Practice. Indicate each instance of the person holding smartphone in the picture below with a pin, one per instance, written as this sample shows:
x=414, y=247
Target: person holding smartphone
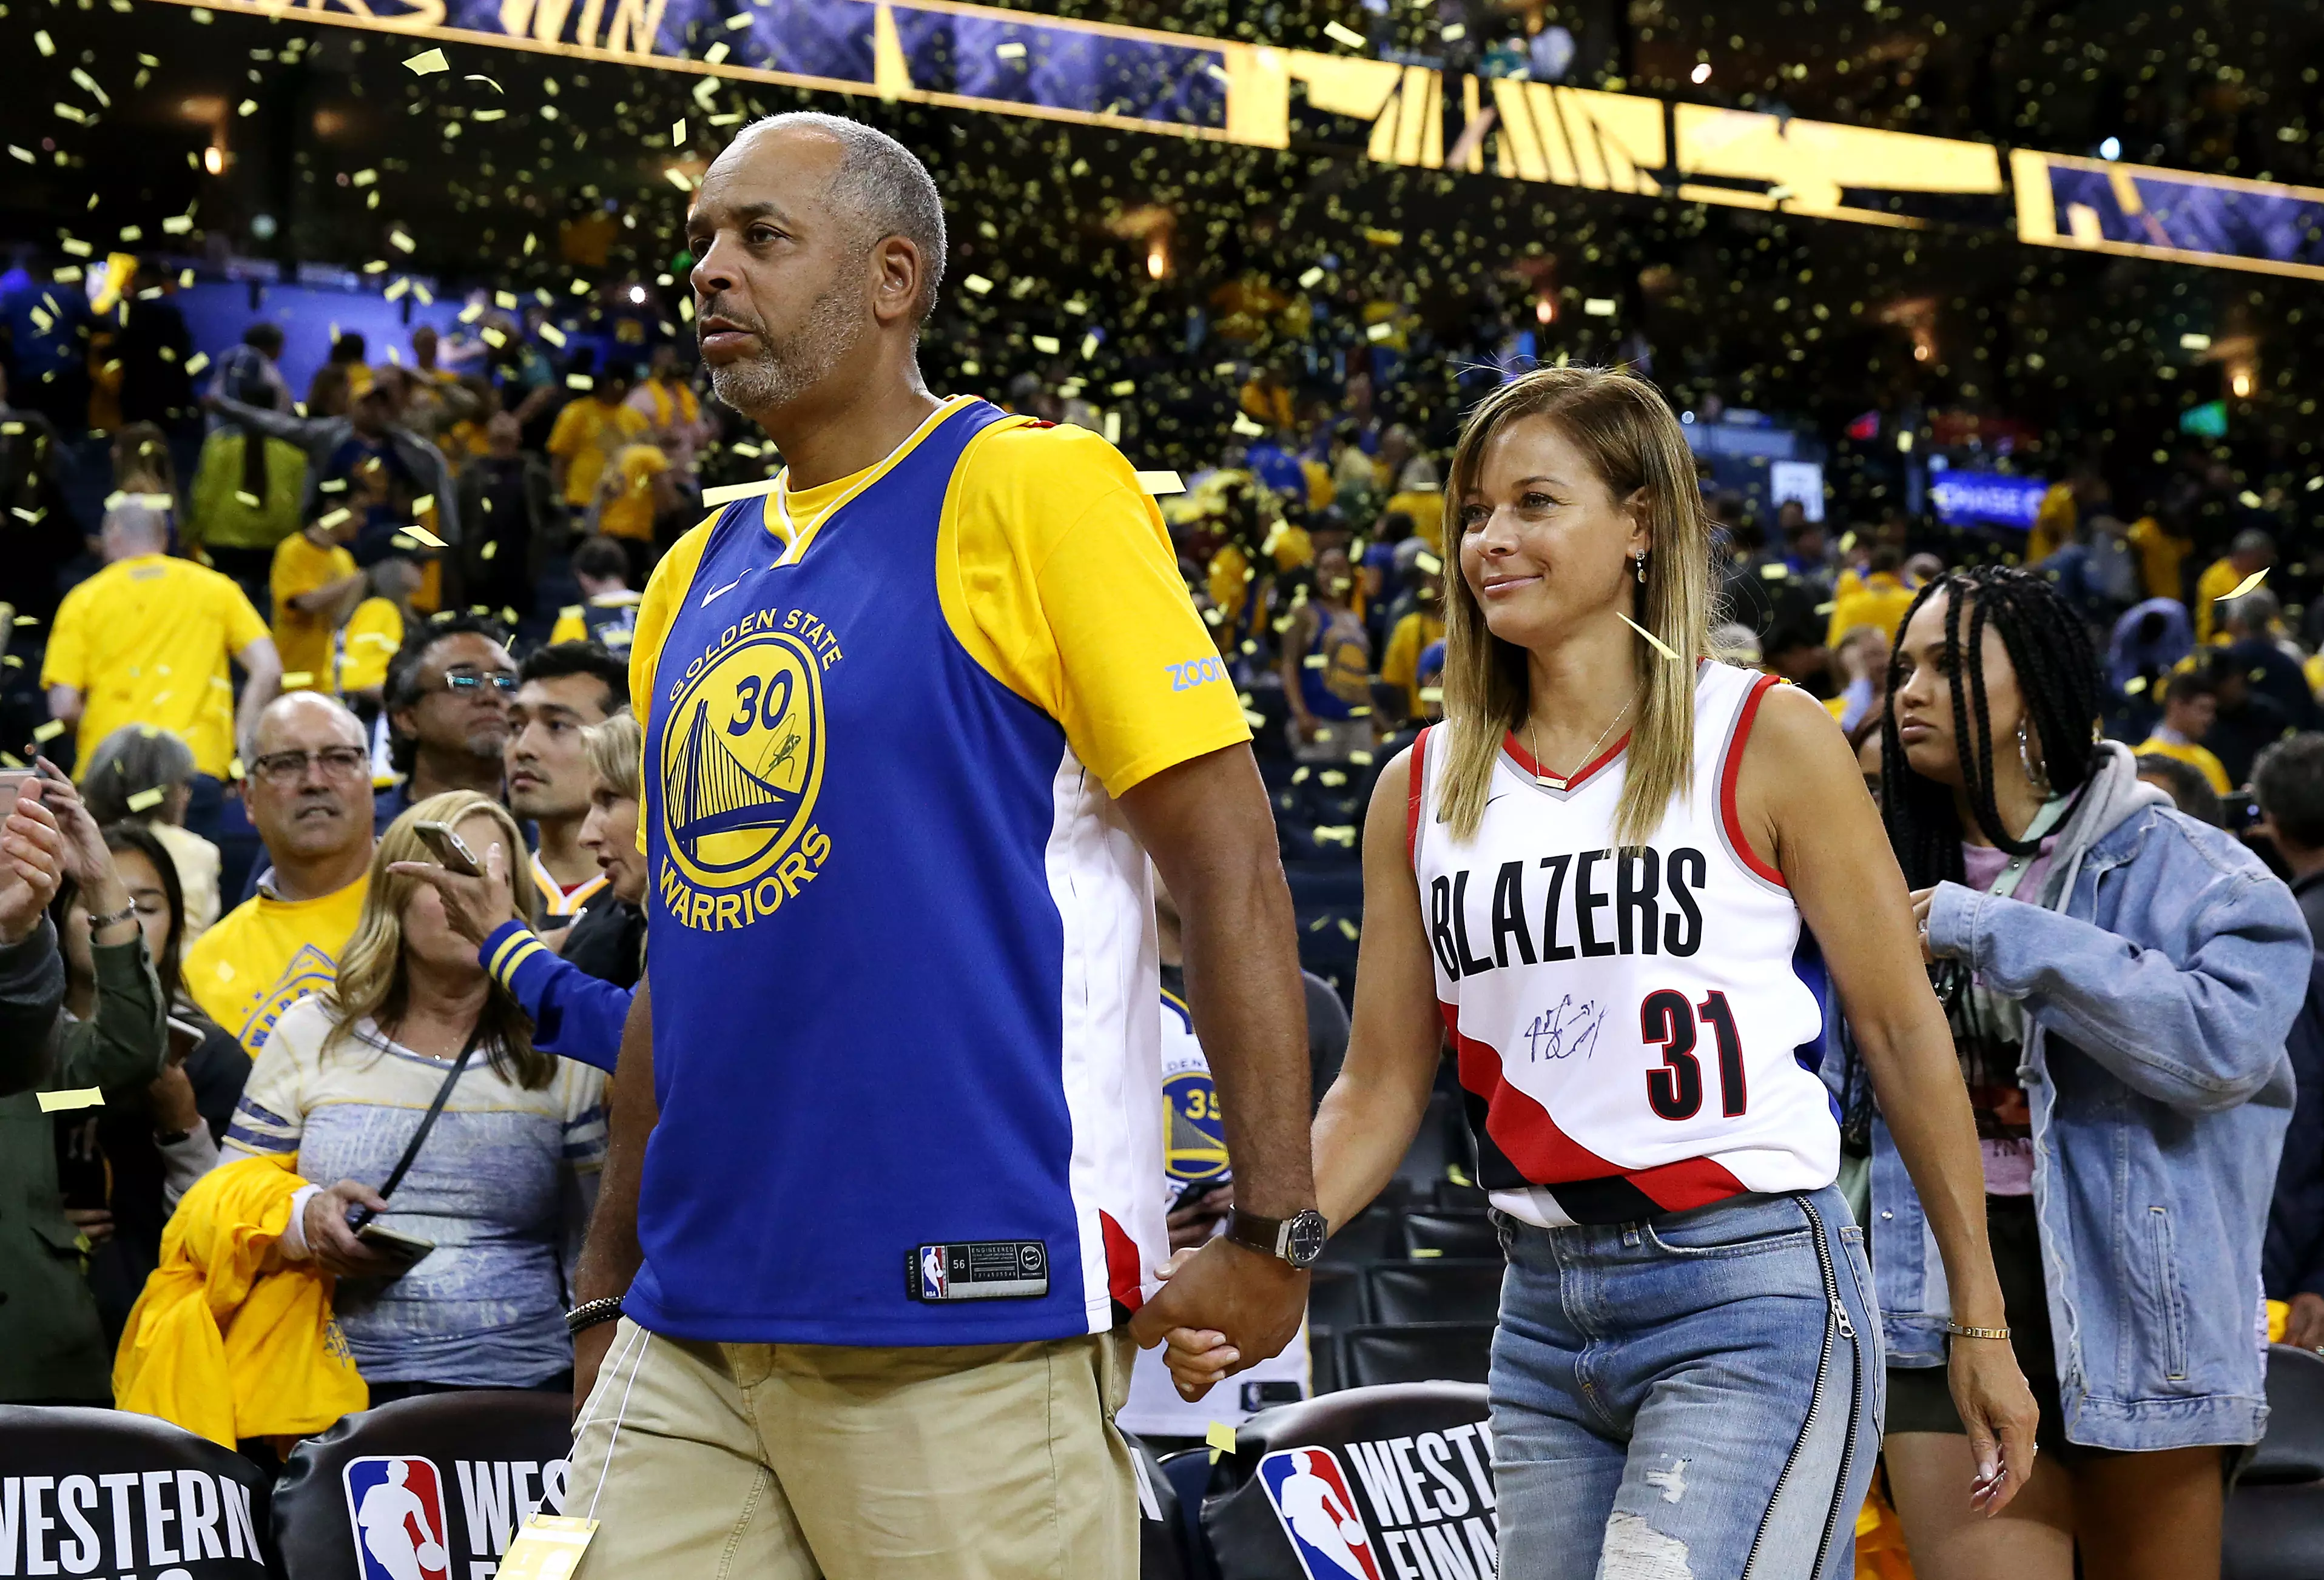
x=52, y=1343
x=453, y=1255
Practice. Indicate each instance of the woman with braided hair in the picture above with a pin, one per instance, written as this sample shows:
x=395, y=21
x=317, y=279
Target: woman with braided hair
x=2119, y=980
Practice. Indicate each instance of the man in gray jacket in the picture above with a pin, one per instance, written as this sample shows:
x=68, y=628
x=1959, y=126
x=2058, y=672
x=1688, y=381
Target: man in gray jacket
x=367, y=461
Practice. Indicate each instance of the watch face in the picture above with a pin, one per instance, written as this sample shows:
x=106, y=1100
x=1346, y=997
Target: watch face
x=1304, y=1242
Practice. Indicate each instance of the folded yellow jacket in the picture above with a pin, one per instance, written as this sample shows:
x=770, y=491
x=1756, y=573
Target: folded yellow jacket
x=226, y=1340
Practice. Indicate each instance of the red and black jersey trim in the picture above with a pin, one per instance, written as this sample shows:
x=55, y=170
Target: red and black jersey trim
x=1521, y=1147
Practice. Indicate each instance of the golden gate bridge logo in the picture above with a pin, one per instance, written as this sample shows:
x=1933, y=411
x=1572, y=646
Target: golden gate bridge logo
x=742, y=759
x=711, y=791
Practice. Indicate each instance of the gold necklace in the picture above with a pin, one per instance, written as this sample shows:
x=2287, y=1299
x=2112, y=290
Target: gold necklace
x=1557, y=781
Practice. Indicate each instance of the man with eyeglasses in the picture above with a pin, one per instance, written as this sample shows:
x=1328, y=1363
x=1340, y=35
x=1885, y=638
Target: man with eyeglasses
x=447, y=698
x=309, y=791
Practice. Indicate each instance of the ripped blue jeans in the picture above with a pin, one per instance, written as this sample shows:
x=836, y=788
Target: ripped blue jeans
x=1692, y=1399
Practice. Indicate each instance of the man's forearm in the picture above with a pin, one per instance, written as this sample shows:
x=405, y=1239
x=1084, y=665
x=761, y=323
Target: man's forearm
x=1250, y=1015
x=611, y=1256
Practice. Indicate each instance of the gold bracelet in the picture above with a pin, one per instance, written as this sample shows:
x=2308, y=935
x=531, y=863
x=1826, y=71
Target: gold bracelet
x=1958, y=1331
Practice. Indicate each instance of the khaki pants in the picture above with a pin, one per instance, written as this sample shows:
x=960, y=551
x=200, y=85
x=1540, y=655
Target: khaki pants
x=807, y=1462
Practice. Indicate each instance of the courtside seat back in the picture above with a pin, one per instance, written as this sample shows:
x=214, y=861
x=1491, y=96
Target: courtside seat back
x=1392, y=1471
x=175, y=1501
x=455, y=1473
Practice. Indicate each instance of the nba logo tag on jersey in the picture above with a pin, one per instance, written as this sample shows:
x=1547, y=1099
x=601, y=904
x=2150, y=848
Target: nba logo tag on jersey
x=1310, y=1495
x=396, y=1505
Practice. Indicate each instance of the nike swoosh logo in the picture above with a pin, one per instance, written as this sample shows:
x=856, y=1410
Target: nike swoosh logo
x=717, y=591
x=1490, y=799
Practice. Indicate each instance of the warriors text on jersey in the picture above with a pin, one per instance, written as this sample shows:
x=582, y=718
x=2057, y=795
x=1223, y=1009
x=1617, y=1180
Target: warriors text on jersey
x=902, y=942
x=1635, y=1027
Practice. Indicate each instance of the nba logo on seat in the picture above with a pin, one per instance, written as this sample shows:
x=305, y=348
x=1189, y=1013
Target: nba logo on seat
x=1310, y=1495
x=396, y=1505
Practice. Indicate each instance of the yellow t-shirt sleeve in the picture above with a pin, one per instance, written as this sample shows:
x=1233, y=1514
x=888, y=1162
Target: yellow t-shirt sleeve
x=565, y=433
x=243, y=625
x=66, y=662
x=1057, y=576
x=567, y=629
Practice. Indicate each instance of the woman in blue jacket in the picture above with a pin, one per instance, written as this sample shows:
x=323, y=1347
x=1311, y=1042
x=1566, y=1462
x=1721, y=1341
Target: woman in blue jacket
x=2120, y=979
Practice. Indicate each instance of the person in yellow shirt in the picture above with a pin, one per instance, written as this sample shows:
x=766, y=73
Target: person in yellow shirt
x=309, y=796
x=317, y=585
x=146, y=641
x=666, y=400
x=374, y=632
x=637, y=488
x=587, y=434
x=1425, y=508
x=2161, y=557
x=1879, y=598
x=1400, y=663
x=2251, y=553
x=2190, y=705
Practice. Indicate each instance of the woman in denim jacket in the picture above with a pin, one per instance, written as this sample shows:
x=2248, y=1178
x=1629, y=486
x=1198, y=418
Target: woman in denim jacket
x=2120, y=979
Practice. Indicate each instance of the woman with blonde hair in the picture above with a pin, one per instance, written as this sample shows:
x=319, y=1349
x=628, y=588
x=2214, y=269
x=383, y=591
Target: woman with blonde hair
x=1598, y=873
x=498, y=1189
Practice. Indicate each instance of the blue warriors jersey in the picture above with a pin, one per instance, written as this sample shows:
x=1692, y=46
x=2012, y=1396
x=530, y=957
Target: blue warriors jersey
x=901, y=940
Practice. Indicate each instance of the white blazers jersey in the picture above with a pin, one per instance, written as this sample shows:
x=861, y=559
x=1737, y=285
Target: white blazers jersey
x=1635, y=1028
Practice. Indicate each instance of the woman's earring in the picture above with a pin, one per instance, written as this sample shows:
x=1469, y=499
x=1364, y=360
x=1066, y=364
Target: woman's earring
x=2036, y=777
x=1639, y=559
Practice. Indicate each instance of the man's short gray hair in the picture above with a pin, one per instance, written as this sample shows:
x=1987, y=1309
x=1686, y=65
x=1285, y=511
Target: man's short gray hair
x=885, y=189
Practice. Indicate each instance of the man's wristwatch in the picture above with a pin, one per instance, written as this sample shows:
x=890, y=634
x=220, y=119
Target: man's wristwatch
x=1297, y=1239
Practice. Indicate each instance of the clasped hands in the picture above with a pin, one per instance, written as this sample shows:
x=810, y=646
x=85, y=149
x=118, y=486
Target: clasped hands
x=1222, y=1308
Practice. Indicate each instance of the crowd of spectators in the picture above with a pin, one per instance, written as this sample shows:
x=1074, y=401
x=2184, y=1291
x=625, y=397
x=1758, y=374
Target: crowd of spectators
x=407, y=600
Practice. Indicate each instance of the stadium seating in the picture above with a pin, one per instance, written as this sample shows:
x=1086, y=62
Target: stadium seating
x=1163, y=1535
x=1442, y=1290
x=1415, y=1351
x=480, y=1464
x=188, y=1501
x=1358, y=1443
x=1464, y=1234
x=2276, y=1516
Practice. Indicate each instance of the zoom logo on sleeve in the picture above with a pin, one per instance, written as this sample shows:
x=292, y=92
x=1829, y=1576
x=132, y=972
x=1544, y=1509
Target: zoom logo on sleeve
x=978, y=1270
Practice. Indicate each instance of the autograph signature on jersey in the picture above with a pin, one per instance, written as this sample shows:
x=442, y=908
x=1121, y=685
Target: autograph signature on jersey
x=1562, y=1033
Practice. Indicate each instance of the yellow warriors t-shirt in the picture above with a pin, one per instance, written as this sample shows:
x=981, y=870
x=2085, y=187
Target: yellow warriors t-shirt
x=266, y=954
x=303, y=641
x=146, y=641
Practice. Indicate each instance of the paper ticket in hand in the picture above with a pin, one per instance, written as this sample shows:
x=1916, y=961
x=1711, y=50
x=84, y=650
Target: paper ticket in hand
x=548, y=1548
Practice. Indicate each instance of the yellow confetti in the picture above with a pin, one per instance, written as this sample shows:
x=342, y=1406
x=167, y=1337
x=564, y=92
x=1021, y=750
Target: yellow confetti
x=79, y=1097
x=427, y=61
x=426, y=537
x=730, y=493
x=146, y=800
x=2248, y=584
x=678, y=133
x=298, y=680
x=1220, y=1437
x=333, y=519
x=570, y=611
x=1009, y=52
x=1153, y=483
x=487, y=81
x=50, y=731
x=1341, y=34
x=1654, y=642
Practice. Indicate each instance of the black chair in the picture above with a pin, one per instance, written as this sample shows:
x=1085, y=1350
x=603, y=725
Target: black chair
x=1442, y=1290
x=1454, y=1196
x=1188, y=1472
x=1372, y=1237
x=189, y=1501
x=1416, y=1352
x=1357, y=1442
x=480, y=1464
x=2274, y=1526
x=1424, y=1163
x=1335, y=1297
x=1323, y=1360
x=1162, y=1534
x=1461, y=1235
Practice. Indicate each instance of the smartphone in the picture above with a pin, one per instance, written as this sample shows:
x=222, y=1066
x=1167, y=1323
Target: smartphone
x=404, y=1248
x=12, y=781
x=1197, y=1189
x=2238, y=812
x=450, y=850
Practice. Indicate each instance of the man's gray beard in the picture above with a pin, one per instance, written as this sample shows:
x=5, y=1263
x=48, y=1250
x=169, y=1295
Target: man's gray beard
x=779, y=375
